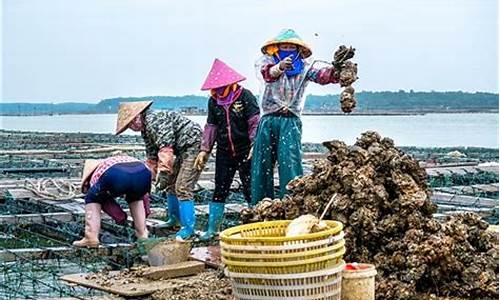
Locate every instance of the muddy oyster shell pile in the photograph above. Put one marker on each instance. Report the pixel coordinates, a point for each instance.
(204, 286)
(124, 277)
(383, 201)
(347, 72)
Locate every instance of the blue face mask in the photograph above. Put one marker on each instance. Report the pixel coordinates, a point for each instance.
(297, 62)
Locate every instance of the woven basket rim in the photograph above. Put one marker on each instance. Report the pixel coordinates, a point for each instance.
(228, 235)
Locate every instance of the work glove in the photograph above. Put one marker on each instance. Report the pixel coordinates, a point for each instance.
(166, 160)
(153, 167)
(162, 181)
(286, 64)
(201, 160)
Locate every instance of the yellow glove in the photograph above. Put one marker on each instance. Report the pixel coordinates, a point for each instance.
(201, 160)
(153, 167)
(166, 160)
(162, 181)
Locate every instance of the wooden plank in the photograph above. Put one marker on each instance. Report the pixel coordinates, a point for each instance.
(43, 253)
(72, 151)
(455, 212)
(462, 200)
(22, 193)
(134, 289)
(483, 212)
(436, 171)
(447, 165)
(36, 218)
(33, 170)
(21, 182)
(487, 188)
(181, 269)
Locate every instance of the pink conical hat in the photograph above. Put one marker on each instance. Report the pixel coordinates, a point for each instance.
(221, 75)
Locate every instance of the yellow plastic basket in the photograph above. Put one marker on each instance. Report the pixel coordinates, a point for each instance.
(263, 248)
(318, 285)
(272, 233)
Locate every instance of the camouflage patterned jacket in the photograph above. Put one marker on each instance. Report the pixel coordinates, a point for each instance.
(169, 129)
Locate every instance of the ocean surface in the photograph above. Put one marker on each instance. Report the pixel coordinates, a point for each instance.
(430, 130)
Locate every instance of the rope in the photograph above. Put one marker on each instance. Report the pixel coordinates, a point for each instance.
(53, 189)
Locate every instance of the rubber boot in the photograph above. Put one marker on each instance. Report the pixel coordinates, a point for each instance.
(215, 215)
(173, 212)
(92, 226)
(187, 218)
(139, 216)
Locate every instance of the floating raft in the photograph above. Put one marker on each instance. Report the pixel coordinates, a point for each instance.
(462, 170)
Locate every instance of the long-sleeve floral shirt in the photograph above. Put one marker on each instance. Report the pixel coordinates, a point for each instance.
(168, 129)
(285, 92)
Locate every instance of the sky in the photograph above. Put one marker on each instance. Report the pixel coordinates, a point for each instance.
(88, 50)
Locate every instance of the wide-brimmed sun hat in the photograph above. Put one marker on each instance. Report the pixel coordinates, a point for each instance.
(127, 111)
(221, 75)
(286, 36)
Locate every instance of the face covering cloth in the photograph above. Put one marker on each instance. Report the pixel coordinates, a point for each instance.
(297, 62)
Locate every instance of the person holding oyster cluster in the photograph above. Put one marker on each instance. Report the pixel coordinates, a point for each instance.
(284, 72)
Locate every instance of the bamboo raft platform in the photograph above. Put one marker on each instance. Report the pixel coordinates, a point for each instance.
(448, 203)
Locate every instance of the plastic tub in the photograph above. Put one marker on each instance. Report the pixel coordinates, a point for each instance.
(358, 282)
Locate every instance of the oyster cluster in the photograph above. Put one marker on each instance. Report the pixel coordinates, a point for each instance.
(347, 72)
(383, 201)
(347, 99)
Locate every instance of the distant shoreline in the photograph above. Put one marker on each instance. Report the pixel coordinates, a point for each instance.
(307, 113)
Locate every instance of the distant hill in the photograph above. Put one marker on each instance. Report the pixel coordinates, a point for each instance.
(400, 101)
(45, 108)
(410, 101)
(160, 102)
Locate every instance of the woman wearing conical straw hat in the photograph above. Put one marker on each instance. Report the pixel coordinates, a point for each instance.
(103, 181)
(172, 144)
(284, 72)
(233, 116)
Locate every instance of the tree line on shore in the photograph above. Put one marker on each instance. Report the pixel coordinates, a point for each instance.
(384, 101)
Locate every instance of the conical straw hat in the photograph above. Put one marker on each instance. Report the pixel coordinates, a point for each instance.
(286, 36)
(127, 111)
(88, 168)
(221, 75)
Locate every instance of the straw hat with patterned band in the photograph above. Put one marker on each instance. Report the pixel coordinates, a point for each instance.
(88, 168)
(127, 111)
(286, 36)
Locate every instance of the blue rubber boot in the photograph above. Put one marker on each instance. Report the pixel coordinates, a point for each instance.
(215, 215)
(173, 212)
(187, 218)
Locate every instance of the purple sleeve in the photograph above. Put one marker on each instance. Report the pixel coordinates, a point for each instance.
(209, 135)
(113, 209)
(322, 76)
(147, 206)
(253, 123)
(265, 71)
